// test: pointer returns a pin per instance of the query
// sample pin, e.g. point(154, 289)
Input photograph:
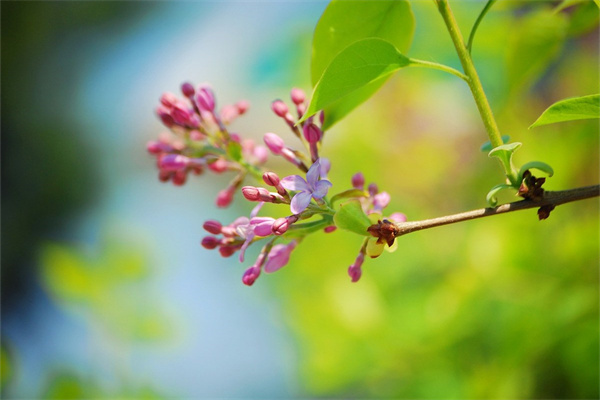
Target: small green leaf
point(345, 22)
point(505, 153)
point(597, 3)
point(575, 108)
point(348, 194)
point(487, 146)
point(491, 196)
point(537, 165)
point(505, 148)
point(360, 64)
point(351, 217)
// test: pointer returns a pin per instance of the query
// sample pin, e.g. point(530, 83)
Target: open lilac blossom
point(248, 228)
point(312, 187)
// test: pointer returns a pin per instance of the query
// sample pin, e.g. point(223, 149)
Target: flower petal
point(294, 182)
point(300, 201)
point(279, 256)
point(321, 189)
point(245, 245)
point(312, 176)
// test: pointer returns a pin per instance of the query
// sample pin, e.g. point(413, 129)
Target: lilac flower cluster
point(199, 140)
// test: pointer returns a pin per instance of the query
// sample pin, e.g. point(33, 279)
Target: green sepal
point(504, 153)
point(349, 194)
point(487, 146)
point(537, 165)
point(491, 196)
point(351, 217)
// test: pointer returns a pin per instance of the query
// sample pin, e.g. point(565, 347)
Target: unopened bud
point(173, 162)
point(280, 226)
point(250, 193)
point(312, 133)
point(205, 99)
point(168, 99)
point(329, 229)
point(358, 181)
point(212, 226)
point(298, 96)
point(179, 177)
point(224, 198)
point(251, 275)
point(279, 108)
point(188, 90)
point(219, 166)
point(274, 143)
point(242, 106)
point(271, 179)
point(227, 251)
point(373, 189)
point(355, 270)
point(156, 147)
point(210, 242)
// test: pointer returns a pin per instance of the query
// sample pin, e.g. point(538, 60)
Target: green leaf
point(584, 19)
point(351, 217)
point(491, 196)
point(567, 3)
point(504, 153)
point(535, 42)
point(345, 22)
point(348, 194)
point(597, 3)
point(537, 165)
point(360, 64)
point(585, 107)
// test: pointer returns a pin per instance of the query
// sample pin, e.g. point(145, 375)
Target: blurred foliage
point(106, 285)
point(503, 307)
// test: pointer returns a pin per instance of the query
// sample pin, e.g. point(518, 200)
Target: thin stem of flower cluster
point(473, 78)
point(550, 199)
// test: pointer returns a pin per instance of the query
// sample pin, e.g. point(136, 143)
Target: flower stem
point(473, 79)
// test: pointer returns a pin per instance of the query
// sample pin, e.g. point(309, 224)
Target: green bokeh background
point(496, 308)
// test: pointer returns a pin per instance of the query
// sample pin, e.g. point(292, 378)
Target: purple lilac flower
point(248, 228)
point(312, 187)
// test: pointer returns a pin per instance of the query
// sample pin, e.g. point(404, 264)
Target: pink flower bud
point(264, 195)
point(250, 193)
point(280, 226)
point(165, 116)
point(373, 189)
point(355, 270)
point(229, 113)
point(312, 133)
point(227, 251)
point(242, 106)
point(219, 166)
point(381, 201)
point(173, 162)
point(188, 90)
point(398, 217)
point(298, 96)
point(156, 147)
point(279, 108)
point(271, 179)
point(179, 177)
point(329, 229)
point(279, 256)
point(168, 99)
point(181, 114)
point(251, 275)
point(261, 154)
point(224, 198)
point(322, 117)
point(274, 143)
point(164, 176)
point(212, 226)
point(235, 137)
point(205, 99)
point(210, 242)
point(358, 181)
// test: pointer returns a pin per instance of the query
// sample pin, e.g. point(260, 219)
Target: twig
point(551, 199)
